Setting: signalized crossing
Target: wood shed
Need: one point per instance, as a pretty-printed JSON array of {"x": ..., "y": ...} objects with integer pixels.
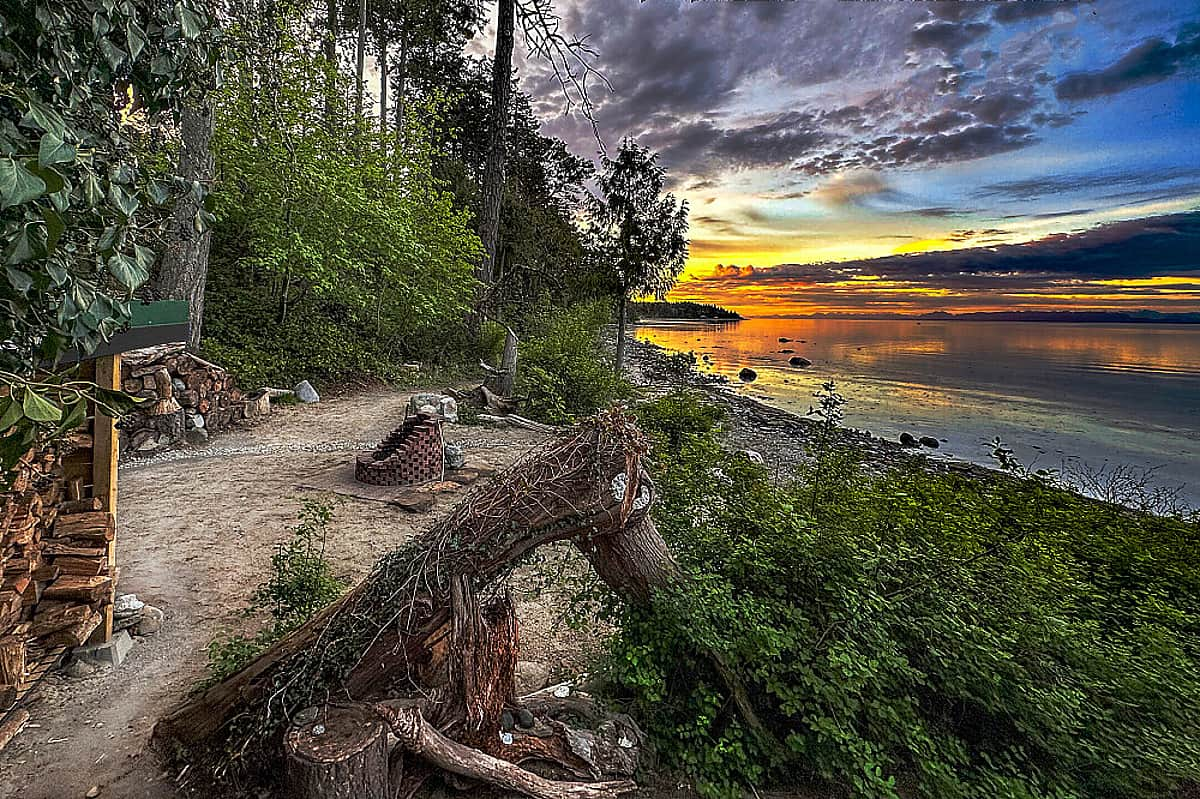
[{"x": 59, "y": 554}]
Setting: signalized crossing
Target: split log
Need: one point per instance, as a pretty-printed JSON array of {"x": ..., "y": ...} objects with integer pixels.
[
  {"x": 76, "y": 633},
  {"x": 84, "y": 589},
  {"x": 96, "y": 525},
  {"x": 74, "y": 506},
  {"x": 59, "y": 618},
  {"x": 12, "y": 660},
  {"x": 340, "y": 754},
  {"x": 84, "y": 567},
  {"x": 12, "y": 725}
]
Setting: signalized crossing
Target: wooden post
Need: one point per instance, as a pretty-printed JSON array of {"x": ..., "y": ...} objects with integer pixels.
[
  {"x": 104, "y": 477},
  {"x": 341, "y": 754}
]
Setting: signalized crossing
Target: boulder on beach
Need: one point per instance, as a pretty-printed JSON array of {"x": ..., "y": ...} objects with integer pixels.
[
  {"x": 747, "y": 375},
  {"x": 785, "y": 351},
  {"x": 784, "y": 339},
  {"x": 929, "y": 441},
  {"x": 797, "y": 360},
  {"x": 908, "y": 440}
]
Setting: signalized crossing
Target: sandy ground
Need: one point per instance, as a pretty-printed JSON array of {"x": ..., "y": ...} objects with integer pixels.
[{"x": 196, "y": 532}]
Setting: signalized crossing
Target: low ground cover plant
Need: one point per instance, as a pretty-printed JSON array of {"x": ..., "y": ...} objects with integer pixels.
[{"x": 910, "y": 633}]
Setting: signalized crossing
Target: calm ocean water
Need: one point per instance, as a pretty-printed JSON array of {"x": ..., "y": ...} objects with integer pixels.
[{"x": 1101, "y": 394}]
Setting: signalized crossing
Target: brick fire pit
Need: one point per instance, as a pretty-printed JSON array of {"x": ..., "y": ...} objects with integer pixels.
[{"x": 411, "y": 454}]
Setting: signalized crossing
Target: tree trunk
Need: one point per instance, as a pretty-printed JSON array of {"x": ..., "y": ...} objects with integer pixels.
[
  {"x": 383, "y": 85},
  {"x": 184, "y": 267},
  {"x": 621, "y": 306},
  {"x": 507, "y": 379},
  {"x": 493, "y": 172},
  {"x": 401, "y": 82},
  {"x": 342, "y": 753},
  {"x": 330, "y": 43},
  {"x": 361, "y": 59}
]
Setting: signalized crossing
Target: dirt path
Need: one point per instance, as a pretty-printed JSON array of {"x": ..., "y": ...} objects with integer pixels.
[{"x": 196, "y": 532}]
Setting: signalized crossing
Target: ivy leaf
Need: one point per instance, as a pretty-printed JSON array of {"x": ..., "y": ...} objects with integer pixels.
[
  {"x": 40, "y": 409},
  {"x": 137, "y": 39},
  {"x": 10, "y": 414},
  {"x": 190, "y": 22},
  {"x": 92, "y": 190},
  {"x": 17, "y": 184},
  {"x": 40, "y": 115},
  {"x": 125, "y": 203},
  {"x": 53, "y": 150},
  {"x": 119, "y": 401},
  {"x": 127, "y": 272},
  {"x": 55, "y": 227},
  {"x": 75, "y": 416}
]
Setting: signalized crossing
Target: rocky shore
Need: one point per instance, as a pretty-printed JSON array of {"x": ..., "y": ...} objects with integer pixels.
[{"x": 781, "y": 437}]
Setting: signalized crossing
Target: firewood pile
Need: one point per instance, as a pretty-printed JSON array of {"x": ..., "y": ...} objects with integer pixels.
[
  {"x": 189, "y": 398},
  {"x": 426, "y": 648},
  {"x": 56, "y": 571}
]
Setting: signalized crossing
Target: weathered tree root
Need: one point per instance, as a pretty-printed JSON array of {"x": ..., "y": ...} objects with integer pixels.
[
  {"x": 418, "y": 736},
  {"x": 434, "y": 623}
]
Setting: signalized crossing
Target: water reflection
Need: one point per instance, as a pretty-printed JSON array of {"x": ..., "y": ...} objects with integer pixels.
[{"x": 1125, "y": 393}]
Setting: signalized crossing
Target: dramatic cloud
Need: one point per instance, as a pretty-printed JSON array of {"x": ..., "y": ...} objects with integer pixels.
[
  {"x": 1150, "y": 62},
  {"x": 1138, "y": 248}
]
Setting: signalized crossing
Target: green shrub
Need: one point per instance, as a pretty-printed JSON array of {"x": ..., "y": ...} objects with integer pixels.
[
  {"x": 563, "y": 373},
  {"x": 301, "y": 583},
  {"x": 912, "y": 633}
]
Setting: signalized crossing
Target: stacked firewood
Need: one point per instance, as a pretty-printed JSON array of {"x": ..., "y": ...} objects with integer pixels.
[
  {"x": 189, "y": 397},
  {"x": 54, "y": 560}
]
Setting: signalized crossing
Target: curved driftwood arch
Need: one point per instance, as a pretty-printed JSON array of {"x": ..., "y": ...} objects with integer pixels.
[{"x": 429, "y": 640}]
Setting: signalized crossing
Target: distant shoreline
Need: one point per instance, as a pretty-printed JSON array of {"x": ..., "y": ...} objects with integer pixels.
[{"x": 1074, "y": 317}]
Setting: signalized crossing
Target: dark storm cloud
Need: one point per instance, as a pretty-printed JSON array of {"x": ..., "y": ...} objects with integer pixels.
[
  {"x": 1150, "y": 62},
  {"x": 1155, "y": 246},
  {"x": 948, "y": 36},
  {"x": 820, "y": 87},
  {"x": 1021, "y": 10},
  {"x": 1132, "y": 182}
]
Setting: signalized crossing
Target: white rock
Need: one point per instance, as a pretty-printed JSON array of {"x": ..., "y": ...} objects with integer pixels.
[
  {"x": 127, "y": 603},
  {"x": 306, "y": 393}
]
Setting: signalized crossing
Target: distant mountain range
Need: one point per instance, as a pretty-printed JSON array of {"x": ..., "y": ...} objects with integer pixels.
[{"x": 1131, "y": 317}]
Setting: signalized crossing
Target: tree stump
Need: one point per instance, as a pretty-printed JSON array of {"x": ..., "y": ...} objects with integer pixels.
[{"x": 341, "y": 754}]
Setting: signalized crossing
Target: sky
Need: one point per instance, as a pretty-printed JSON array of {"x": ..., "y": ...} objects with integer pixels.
[{"x": 855, "y": 157}]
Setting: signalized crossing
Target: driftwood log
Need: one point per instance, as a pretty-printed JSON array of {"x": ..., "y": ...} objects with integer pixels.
[{"x": 429, "y": 640}]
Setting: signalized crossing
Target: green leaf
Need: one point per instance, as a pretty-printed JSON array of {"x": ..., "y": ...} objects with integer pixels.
[
  {"x": 40, "y": 115},
  {"x": 120, "y": 200},
  {"x": 137, "y": 39},
  {"x": 126, "y": 271},
  {"x": 17, "y": 184},
  {"x": 75, "y": 416},
  {"x": 53, "y": 150},
  {"x": 117, "y": 400},
  {"x": 190, "y": 22},
  {"x": 24, "y": 248},
  {"x": 55, "y": 227},
  {"x": 11, "y": 413},
  {"x": 40, "y": 409},
  {"x": 93, "y": 192}
]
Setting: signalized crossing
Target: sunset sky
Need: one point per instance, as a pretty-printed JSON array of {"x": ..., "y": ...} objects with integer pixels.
[{"x": 1017, "y": 154}]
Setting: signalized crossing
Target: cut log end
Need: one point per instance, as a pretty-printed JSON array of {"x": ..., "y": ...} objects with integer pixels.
[{"x": 340, "y": 754}]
